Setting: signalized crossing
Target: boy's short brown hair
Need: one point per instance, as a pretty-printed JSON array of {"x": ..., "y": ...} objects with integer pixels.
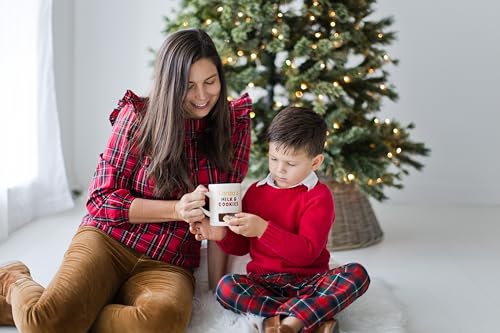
[{"x": 298, "y": 128}]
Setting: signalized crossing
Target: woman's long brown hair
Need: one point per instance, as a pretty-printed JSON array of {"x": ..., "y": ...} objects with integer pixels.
[{"x": 161, "y": 135}]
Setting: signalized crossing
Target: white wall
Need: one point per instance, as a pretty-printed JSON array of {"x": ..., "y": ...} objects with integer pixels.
[{"x": 447, "y": 51}]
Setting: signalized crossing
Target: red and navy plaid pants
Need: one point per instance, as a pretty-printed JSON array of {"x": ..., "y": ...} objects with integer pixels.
[{"x": 311, "y": 298}]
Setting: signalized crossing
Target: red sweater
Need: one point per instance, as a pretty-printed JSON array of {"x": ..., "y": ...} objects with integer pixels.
[{"x": 297, "y": 233}]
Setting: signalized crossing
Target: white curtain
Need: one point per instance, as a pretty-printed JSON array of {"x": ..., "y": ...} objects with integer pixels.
[{"x": 32, "y": 177}]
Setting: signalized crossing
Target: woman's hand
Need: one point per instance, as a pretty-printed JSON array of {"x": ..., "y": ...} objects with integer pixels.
[
  {"x": 188, "y": 208},
  {"x": 203, "y": 230},
  {"x": 248, "y": 225}
]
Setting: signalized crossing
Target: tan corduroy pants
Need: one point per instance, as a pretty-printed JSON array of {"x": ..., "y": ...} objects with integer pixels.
[{"x": 104, "y": 287}]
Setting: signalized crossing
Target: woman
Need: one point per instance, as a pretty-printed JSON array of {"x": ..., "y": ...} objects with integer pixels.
[{"x": 130, "y": 266}]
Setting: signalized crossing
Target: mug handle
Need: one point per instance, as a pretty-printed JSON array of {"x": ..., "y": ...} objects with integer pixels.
[{"x": 206, "y": 211}]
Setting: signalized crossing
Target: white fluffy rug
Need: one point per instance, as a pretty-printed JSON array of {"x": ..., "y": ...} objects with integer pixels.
[{"x": 377, "y": 311}]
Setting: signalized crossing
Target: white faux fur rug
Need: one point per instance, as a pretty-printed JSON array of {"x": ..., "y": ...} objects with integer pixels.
[{"x": 377, "y": 311}]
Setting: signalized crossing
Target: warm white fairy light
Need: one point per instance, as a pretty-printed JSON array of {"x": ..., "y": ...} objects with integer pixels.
[
  {"x": 220, "y": 9},
  {"x": 379, "y": 180},
  {"x": 303, "y": 86},
  {"x": 386, "y": 57},
  {"x": 331, "y": 13},
  {"x": 281, "y": 37},
  {"x": 288, "y": 62},
  {"x": 347, "y": 79},
  {"x": 229, "y": 98},
  {"x": 320, "y": 97},
  {"x": 370, "y": 182},
  {"x": 322, "y": 65},
  {"x": 376, "y": 121},
  {"x": 240, "y": 53},
  {"x": 350, "y": 177},
  {"x": 299, "y": 93},
  {"x": 333, "y": 24},
  {"x": 280, "y": 14},
  {"x": 382, "y": 87},
  {"x": 314, "y": 46},
  {"x": 387, "y": 121},
  {"x": 253, "y": 56},
  {"x": 251, "y": 84},
  {"x": 335, "y": 84},
  {"x": 336, "y": 125},
  {"x": 389, "y": 155},
  {"x": 395, "y": 131},
  {"x": 252, "y": 114},
  {"x": 315, "y": 4},
  {"x": 278, "y": 104},
  {"x": 185, "y": 24},
  {"x": 312, "y": 18},
  {"x": 248, "y": 20},
  {"x": 399, "y": 150},
  {"x": 230, "y": 59},
  {"x": 275, "y": 31},
  {"x": 317, "y": 34},
  {"x": 208, "y": 21},
  {"x": 240, "y": 14},
  {"x": 380, "y": 35},
  {"x": 370, "y": 70}
]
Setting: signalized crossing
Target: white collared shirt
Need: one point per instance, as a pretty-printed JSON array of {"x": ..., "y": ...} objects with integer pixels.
[{"x": 310, "y": 181}]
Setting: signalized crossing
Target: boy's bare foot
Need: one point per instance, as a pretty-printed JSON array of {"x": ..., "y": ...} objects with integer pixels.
[
  {"x": 291, "y": 325},
  {"x": 271, "y": 324}
]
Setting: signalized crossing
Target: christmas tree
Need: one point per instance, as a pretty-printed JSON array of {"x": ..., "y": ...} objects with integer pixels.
[{"x": 323, "y": 54}]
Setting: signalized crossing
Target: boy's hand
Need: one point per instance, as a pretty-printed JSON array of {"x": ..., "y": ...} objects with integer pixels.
[
  {"x": 203, "y": 230},
  {"x": 248, "y": 225}
]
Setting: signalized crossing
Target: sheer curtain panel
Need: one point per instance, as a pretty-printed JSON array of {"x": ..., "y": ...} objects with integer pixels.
[{"x": 32, "y": 177}]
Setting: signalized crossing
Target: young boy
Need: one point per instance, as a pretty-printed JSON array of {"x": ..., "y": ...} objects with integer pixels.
[{"x": 284, "y": 226}]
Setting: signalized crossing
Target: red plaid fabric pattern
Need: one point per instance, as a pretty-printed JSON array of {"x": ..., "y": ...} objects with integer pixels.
[
  {"x": 120, "y": 177},
  {"x": 313, "y": 299}
]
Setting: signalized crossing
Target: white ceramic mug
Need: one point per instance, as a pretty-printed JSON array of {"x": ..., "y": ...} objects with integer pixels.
[{"x": 223, "y": 200}]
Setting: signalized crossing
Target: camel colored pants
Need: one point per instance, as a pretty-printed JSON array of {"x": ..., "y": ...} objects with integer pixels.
[{"x": 104, "y": 287}]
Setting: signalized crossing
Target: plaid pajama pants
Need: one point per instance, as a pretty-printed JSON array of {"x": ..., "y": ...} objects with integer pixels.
[{"x": 311, "y": 298}]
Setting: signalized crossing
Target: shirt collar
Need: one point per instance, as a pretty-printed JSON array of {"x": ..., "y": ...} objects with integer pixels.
[{"x": 310, "y": 181}]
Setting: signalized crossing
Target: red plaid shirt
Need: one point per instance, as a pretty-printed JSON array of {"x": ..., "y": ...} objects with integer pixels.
[{"x": 118, "y": 180}]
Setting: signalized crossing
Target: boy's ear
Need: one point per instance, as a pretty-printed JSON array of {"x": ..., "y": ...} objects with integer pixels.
[{"x": 316, "y": 161}]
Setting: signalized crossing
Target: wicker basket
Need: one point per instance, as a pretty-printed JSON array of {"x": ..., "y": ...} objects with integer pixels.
[{"x": 355, "y": 224}]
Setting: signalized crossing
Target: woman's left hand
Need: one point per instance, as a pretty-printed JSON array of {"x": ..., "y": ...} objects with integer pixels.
[{"x": 203, "y": 230}]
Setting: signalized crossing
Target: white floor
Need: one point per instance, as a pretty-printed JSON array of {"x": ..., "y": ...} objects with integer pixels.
[{"x": 442, "y": 262}]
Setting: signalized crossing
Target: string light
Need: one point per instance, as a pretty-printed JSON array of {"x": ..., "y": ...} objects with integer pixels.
[
  {"x": 386, "y": 57},
  {"x": 387, "y": 121},
  {"x": 299, "y": 93},
  {"x": 240, "y": 14},
  {"x": 303, "y": 86},
  {"x": 376, "y": 121},
  {"x": 208, "y": 21},
  {"x": 317, "y": 34},
  {"x": 350, "y": 177},
  {"x": 336, "y": 125},
  {"x": 382, "y": 87},
  {"x": 335, "y": 84},
  {"x": 274, "y": 31},
  {"x": 185, "y": 24},
  {"x": 333, "y": 24},
  {"x": 240, "y": 53},
  {"x": 314, "y": 46},
  {"x": 347, "y": 79},
  {"x": 280, "y": 14},
  {"x": 380, "y": 35},
  {"x": 379, "y": 180},
  {"x": 280, "y": 37},
  {"x": 220, "y": 9},
  {"x": 253, "y": 56},
  {"x": 370, "y": 70},
  {"x": 315, "y": 4},
  {"x": 370, "y": 182},
  {"x": 251, "y": 84},
  {"x": 320, "y": 97},
  {"x": 229, "y": 98},
  {"x": 252, "y": 114},
  {"x": 288, "y": 62},
  {"x": 312, "y": 18},
  {"x": 395, "y": 131},
  {"x": 331, "y": 13},
  {"x": 389, "y": 155},
  {"x": 399, "y": 150},
  {"x": 322, "y": 65}
]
